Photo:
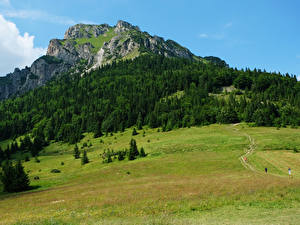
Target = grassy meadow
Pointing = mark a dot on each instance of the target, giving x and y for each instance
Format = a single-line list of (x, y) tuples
[(190, 176)]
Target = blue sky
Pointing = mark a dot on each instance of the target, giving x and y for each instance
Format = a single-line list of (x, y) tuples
[(257, 33)]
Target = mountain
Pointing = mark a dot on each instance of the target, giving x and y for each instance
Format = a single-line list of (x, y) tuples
[(104, 79), (87, 47)]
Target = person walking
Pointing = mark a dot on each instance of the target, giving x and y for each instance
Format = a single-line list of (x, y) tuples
[(266, 170), (290, 172)]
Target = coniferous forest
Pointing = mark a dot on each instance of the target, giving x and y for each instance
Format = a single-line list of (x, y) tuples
[(149, 90)]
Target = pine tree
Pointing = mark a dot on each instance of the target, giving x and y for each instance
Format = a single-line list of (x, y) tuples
[(7, 176), (27, 144), (37, 146), (139, 122), (22, 180), (14, 178), (98, 132), (84, 159), (76, 152), (133, 150), (134, 132), (142, 152)]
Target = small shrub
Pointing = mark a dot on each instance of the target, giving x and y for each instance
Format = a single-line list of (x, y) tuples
[(55, 171), (36, 178), (62, 163), (37, 160), (109, 159), (296, 150), (121, 155), (148, 140)]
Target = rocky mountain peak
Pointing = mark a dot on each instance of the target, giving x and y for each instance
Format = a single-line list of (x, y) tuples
[(125, 26), (89, 47), (86, 31)]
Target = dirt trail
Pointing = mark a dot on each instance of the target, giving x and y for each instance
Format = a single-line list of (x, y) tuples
[(248, 152), (250, 149)]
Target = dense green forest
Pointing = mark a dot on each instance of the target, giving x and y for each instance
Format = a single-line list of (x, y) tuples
[(150, 90)]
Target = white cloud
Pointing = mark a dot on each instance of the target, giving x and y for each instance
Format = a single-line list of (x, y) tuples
[(38, 15), (220, 36), (203, 35), (16, 50)]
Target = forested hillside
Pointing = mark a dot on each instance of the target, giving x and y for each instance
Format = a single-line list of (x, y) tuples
[(150, 90)]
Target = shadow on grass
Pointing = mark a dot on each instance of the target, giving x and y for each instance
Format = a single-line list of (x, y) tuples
[(30, 190)]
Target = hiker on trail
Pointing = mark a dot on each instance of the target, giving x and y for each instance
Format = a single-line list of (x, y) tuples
[(290, 172), (266, 170), (245, 159)]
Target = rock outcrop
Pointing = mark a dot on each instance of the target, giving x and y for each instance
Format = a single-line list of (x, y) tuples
[(93, 46)]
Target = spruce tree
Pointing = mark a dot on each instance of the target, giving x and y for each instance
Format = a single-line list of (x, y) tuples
[(134, 132), (22, 179), (76, 152), (14, 178), (27, 144), (142, 152), (133, 150), (84, 159), (139, 122), (7, 176), (98, 132)]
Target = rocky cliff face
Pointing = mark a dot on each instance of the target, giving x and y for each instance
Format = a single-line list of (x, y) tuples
[(41, 71), (95, 45)]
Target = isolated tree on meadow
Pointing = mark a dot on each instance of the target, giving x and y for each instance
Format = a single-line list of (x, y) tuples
[(142, 152), (76, 152), (133, 150), (84, 159), (134, 132)]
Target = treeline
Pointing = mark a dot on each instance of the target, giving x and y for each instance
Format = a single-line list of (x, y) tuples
[(150, 90), (27, 147)]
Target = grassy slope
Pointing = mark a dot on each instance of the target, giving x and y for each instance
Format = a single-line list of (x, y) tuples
[(97, 42), (191, 176)]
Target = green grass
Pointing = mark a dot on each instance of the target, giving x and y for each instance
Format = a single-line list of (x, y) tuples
[(97, 42), (190, 176), (135, 53)]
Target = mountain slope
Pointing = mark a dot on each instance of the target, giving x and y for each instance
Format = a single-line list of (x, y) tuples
[(153, 90), (87, 47)]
